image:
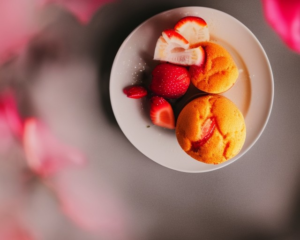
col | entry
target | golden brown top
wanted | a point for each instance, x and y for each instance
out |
(228, 136)
(219, 71)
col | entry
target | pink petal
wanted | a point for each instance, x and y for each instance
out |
(11, 124)
(16, 27)
(13, 230)
(92, 206)
(44, 153)
(284, 18)
(82, 9)
(10, 114)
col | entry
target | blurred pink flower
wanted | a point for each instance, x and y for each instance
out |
(46, 155)
(17, 26)
(91, 205)
(284, 17)
(13, 230)
(82, 9)
(19, 21)
(10, 114)
(11, 124)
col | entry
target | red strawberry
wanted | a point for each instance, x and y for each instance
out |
(135, 92)
(207, 131)
(169, 80)
(161, 113)
(190, 20)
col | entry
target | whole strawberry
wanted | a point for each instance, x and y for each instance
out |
(169, 80)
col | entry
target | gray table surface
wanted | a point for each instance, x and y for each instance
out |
(257, 197)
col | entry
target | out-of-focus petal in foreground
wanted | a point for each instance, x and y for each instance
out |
(11, 124)
(13, 230)
(82, 9)
(45, 154)
(284, 18)
(91, 205)
(17, 26)
(21, 20)
(9, 112)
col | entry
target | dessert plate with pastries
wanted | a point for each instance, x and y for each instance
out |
(192, 89)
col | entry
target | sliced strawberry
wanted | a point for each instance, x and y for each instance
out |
(173, 37)
(135, 92)
(193, 29)
(170, 52)
(190, 19)
(189, 57)
(207, 131)
(161, 113)
(162, 49)
(169, 80)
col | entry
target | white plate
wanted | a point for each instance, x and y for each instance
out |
(252, 93)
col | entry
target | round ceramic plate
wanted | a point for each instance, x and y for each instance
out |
(252, 93)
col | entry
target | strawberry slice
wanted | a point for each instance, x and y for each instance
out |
(169, 80)
(173, 37)
(162, 49)
(207, 131)
(161, 113)
(189, 57)
(193, 29)
(170, 52)
(135, 92)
